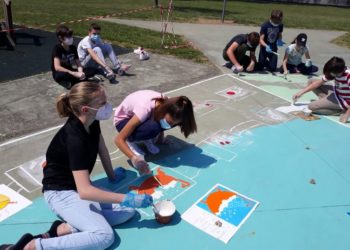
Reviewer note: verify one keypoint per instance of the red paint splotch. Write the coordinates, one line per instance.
(230, 92)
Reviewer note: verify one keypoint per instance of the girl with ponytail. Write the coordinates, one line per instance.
(88, 211)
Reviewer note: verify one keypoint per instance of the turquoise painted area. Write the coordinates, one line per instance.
(273, 165)
(286, 93)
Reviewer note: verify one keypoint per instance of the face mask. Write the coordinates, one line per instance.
(274, 24)
(68, 41)
(104, 112)
(95, 38)
(164, 124)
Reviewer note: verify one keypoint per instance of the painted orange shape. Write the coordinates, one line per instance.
(215, 199)
(149, 185)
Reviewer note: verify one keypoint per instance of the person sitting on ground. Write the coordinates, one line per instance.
(143, 116)
(92, 52)
(292, 60)
(65, 58)
(332, 99)
(270, 39)
(235, 52)
(88, 211)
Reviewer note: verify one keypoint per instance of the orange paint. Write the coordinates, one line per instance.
(149, 185)
(215, 199)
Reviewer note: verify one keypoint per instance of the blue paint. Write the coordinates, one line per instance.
(271, 166)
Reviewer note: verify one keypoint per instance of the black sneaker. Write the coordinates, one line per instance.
(113, 81)
(95, 79)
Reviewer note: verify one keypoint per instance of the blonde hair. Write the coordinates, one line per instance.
(81, 94)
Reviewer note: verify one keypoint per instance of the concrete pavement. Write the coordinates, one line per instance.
(212, 38)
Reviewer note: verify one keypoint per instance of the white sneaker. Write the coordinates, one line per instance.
(153, 149)
(138, 50)
(144, 55)
(135, 149)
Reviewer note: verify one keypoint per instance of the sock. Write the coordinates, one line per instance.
(52, 231)
(22, 242)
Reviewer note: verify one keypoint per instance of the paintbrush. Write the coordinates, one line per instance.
(160, 184)
(273, 52)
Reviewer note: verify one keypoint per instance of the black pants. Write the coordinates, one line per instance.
(240, 54)
(300, 68)
(67, 81)
(268, 60)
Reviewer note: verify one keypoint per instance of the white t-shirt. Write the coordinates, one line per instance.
(139, 103)
(84, 45)
(294, 55)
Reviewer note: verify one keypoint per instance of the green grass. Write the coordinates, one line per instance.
(46, 13)
(343, 40)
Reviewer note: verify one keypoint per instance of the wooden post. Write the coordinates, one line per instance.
(8, 24)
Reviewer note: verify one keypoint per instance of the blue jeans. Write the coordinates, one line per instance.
(149, 129)
(90, 221)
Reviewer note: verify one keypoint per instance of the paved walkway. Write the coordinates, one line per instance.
(28, 104)
(285, 163)
(212, 38)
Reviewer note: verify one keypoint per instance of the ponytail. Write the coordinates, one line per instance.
(80, 94)
(188, 125)
(62, 105)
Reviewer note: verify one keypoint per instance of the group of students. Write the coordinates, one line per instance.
(332, 100)
(70, 65)
(88, 212)
(269, 39)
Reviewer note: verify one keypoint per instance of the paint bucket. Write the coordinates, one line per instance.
(307, 112)
(163, 211)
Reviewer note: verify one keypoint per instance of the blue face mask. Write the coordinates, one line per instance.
(95, 38)
(164, 124)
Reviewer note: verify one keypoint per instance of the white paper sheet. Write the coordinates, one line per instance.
(11, 202)
(220, 212)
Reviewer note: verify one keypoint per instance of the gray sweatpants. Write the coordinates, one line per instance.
(327, 104)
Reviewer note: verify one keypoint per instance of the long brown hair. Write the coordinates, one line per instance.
(179, 108)
(79, 95)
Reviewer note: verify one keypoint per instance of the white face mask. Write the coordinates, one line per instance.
(104, 112)
(274, 24)
(164, 124)
(68, 41)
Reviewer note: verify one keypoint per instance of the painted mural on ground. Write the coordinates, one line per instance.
(220, 212)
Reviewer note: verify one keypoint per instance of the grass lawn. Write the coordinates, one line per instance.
(44, 13)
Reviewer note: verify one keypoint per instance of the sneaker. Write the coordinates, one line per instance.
(228, 65)
(144, 55)
(113, 81)
(153, 149)
(135, 148)
(95, 79)
(138, 50)
(123, 68)
(110, 75)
